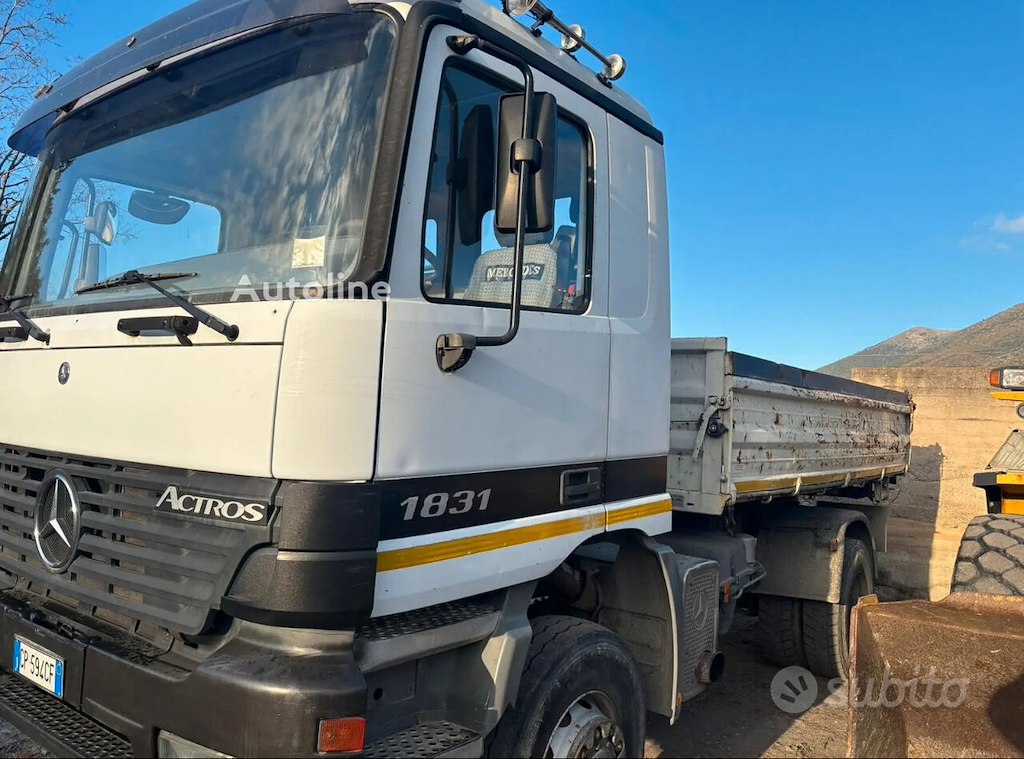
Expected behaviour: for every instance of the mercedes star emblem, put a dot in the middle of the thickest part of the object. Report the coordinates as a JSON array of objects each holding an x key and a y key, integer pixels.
[{"x": 58, "y": 522}]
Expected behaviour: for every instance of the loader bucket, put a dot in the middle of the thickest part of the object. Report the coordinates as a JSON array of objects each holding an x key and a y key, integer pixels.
[{"x": 937, "y": 679}]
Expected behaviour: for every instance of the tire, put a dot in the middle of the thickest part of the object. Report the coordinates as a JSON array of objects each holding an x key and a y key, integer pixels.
[
  {"x": 991, "y": 557},
  {"x": 780, "y": 630},
  {"x": 826, "y": 627},
  {"x": 575, "y": 670}
]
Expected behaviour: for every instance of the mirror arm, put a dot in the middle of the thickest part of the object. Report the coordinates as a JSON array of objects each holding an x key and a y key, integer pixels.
[
  {"x": 72, "y": 255},
  {"x": 454, "y": 350}
]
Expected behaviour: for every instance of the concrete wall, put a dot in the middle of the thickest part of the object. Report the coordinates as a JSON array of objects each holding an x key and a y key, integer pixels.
[{"x": 958, "y": 428}]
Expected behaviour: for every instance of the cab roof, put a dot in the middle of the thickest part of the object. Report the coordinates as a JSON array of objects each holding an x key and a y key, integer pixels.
[{"x": 209, "y": 21}]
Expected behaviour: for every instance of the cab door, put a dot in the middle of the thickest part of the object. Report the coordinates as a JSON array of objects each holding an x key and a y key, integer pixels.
[{"x": 526, "y": 414}]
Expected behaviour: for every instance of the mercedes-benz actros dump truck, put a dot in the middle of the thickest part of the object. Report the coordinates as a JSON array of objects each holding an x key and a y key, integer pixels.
[{"x": 340, "y": 413}]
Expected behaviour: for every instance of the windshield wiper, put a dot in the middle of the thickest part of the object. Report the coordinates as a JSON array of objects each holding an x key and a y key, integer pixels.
[
  {"x": 31, "y": 328},
  {"x": 230, "y": 331},
  {"x": 133, "y": 277}
]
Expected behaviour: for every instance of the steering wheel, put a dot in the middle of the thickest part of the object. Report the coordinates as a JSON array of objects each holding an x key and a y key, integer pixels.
[{"x": 430, "y": 257}]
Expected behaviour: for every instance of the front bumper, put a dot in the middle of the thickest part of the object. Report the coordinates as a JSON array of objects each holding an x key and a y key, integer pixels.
[{"x": 262, "y": 693}]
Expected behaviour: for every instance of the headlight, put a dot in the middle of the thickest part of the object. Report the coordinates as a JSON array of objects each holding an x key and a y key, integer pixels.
[
  {"x": 170, "y": 745},
  {"x": 1008, "y": 379}
]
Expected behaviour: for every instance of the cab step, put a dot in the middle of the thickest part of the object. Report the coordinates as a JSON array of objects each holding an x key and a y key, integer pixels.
[
  {"x": 390, "y": 641},
  {"x": 68, "y": 732},
  {"x": 430, "y": 739}
]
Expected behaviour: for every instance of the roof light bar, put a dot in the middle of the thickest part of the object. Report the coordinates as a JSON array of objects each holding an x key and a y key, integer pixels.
[{"x": 574, "y": 38}]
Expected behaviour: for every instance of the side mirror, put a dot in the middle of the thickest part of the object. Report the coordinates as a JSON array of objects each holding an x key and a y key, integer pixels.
[
  {"x": 525, "y": 199},
  {"x": 540, "y": 187},
  {"x": 103, "y": 222}
]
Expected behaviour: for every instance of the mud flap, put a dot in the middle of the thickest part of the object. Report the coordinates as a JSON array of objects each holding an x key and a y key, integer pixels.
[{"x": 937, "y": 679}]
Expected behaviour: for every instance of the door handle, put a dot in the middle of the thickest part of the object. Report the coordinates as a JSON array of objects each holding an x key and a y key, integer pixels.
[{"x": 581, "y": 486}]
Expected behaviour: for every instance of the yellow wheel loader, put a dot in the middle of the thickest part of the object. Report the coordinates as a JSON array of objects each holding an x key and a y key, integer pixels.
[{"x": 947, "y": 678}]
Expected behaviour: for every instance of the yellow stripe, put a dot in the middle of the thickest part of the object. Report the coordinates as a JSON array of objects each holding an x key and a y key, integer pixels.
[
  {"x": 1010, "y": 479},
  {"x": 789, "y": 483},
  {"x": 639, "y": 512},
  {"x": 405, "y": 558},
  {"x": 1008, "y": 396},
  {"x": 495, "y": 541}
]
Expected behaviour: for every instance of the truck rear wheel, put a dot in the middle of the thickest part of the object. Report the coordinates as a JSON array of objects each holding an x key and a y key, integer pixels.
[
  {"x": 826, "y": 627},
  {"x": 991, "y": 558},
  {"x": 580, "y": 696},
  {"x": 779, "y": 622}
]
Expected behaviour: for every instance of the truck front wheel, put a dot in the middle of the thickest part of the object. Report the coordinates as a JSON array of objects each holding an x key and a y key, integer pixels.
[{"x": 580, "y": 696}]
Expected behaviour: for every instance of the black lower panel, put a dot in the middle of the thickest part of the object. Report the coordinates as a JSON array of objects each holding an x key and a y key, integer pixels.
[
  {"x": 263, "y": 693},
  {"x": 438, "y": 504}
]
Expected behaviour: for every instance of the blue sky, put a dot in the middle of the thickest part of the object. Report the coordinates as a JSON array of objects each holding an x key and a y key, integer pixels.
[{"x": 840, "y": 170}]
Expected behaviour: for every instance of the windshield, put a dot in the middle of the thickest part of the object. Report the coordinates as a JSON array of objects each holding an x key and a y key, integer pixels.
[{"x": 250, "y": 166}]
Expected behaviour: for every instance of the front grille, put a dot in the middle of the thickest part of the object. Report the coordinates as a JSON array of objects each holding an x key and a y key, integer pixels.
[{"x": 136, "y": 568}]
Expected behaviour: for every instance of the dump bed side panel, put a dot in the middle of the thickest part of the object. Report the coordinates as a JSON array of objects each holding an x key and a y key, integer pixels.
[
  {"x": 776, "y": 431},
  {"x": 788, "y": 439},
  {"x": 698, "y": 383}
]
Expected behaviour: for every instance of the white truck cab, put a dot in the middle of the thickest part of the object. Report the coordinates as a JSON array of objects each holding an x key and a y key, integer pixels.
[{"x": 341, "y": 413}]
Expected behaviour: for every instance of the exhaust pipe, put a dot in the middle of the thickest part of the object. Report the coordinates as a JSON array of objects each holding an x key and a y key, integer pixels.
[{"x": 711, "y": 667}]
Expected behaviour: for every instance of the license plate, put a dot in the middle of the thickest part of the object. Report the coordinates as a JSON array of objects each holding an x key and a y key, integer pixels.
[{"x": 39, "y": 666}]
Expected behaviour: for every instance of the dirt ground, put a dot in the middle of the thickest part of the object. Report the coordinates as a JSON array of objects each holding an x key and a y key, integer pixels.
[
  {"x": 736, "y": 718},
  {"x": 14, "y": 744}
]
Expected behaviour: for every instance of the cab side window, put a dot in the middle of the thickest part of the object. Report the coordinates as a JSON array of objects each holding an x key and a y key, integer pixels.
[{"x": 465, "y": 260}]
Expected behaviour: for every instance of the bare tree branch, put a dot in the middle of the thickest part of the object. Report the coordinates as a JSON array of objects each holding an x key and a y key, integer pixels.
[{"x": 27, "y": 27}]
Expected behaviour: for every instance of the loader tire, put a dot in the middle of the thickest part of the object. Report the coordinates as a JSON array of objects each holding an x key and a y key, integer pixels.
[
  {"x": 991, "y": 558},
  {"x": 826, "y": 627},
  {"x": 580, "y": 695},
  {"x": 779, "y": 622}
]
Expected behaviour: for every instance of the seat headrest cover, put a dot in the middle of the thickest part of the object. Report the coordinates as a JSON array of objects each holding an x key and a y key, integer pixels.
[{"x": 493, "y": 277}]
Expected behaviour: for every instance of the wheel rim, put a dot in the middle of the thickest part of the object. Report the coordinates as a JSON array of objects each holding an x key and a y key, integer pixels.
[{"x": 588, "y": 729}]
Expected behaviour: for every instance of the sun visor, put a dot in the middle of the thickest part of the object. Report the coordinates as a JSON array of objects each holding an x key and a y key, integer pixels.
[{"x": 199, "y": 24}]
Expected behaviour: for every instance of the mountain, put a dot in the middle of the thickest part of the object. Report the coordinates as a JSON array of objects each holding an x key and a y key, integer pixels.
[
  {"x": 996, "y": 341},
  {"x": 891, "y": 352}
]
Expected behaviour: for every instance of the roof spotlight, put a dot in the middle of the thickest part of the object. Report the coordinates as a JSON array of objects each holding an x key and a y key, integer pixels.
[
  {"x": 519, "y": 7},
  {"x": 574, "y": 43},
  {"x": 574, "y": 38}
]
